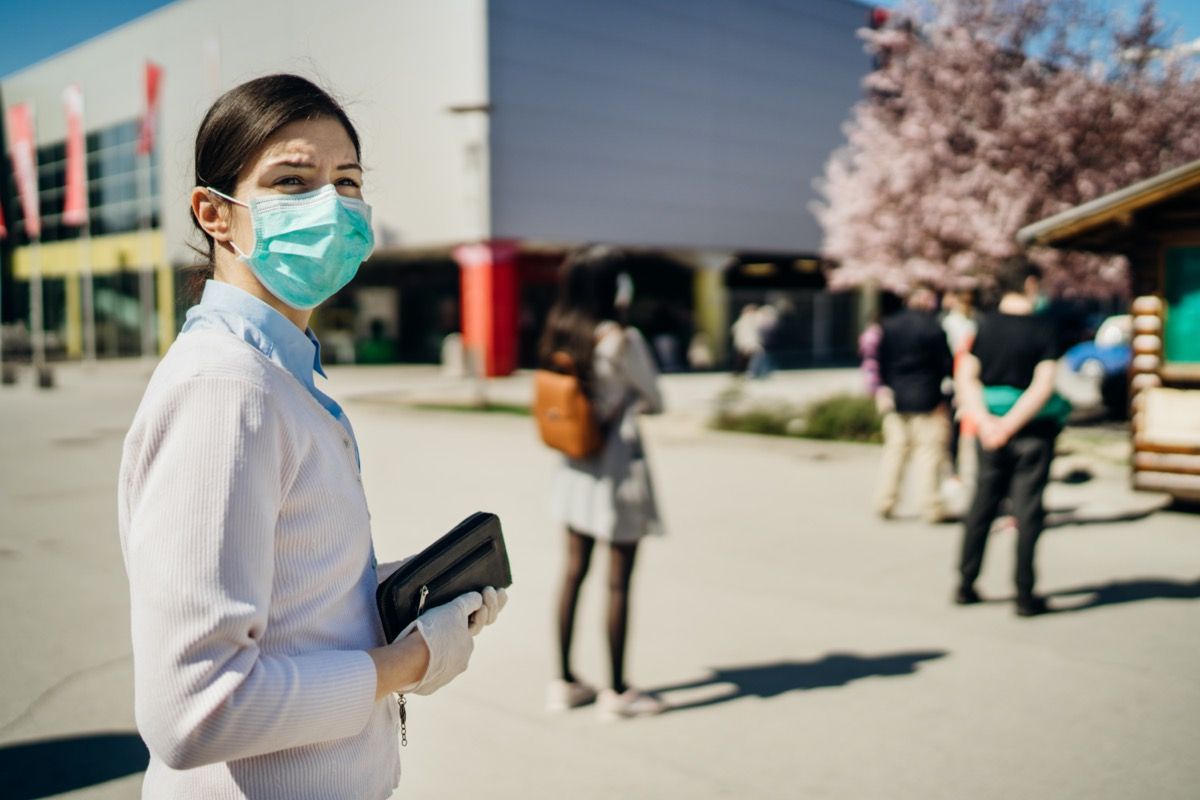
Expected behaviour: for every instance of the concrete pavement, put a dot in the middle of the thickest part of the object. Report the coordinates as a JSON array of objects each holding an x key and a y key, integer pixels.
[{"x": 812, "y": 648}]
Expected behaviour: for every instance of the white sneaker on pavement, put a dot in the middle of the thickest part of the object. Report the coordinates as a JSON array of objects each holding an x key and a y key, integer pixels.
[
  {"x": 563, "y": 695},
  {"x": 630, "y": 703}
]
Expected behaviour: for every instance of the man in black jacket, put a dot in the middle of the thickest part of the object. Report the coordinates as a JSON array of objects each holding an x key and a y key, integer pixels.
[{"x": 914, "y": 360}]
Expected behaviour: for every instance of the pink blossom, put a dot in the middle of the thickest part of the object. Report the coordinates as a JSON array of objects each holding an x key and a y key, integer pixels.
[{"x": 985, "y": 117}]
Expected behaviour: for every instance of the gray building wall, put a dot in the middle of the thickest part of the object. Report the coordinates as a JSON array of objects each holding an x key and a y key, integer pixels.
[{"x": 661, "y": 123}]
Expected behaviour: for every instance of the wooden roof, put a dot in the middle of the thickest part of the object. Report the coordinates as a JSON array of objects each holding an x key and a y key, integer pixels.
[{"x": 1107, "y": 223}]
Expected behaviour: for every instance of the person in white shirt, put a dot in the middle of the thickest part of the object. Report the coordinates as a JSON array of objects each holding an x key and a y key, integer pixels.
[
  {"x": 260, "y": 665},
  {"x": 960, "y": 324}
]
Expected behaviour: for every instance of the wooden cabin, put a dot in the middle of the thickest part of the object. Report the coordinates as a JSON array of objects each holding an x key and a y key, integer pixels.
[{"x": 1156, "y": 225}]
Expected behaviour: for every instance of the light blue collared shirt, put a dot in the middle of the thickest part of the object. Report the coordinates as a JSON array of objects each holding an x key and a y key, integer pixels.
[{"x": 227, "y": 308}]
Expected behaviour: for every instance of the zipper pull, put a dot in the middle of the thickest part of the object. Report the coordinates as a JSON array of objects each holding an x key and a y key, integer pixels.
[
  {"x": 421, "y": 602},
  {"x": 402, "y": 702}
]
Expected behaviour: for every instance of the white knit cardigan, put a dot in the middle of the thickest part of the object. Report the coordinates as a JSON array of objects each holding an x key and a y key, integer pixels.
[{"x": 247, "y": 543}]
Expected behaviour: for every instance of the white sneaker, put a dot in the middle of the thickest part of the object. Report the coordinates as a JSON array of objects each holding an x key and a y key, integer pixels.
[
  {"x": 563, "y": 695},
  {"x": 630, "y": 703}
]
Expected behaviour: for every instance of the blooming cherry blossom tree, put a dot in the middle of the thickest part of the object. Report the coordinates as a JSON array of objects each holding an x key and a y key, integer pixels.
[{"x": 986, "y": 115}]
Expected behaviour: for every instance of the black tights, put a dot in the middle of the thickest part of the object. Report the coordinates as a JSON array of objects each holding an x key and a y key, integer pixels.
[{"x": 620, "y": 570}]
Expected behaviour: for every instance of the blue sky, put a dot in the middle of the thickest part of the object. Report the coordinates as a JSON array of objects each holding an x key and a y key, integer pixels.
[{"x": 37, "y": 29}]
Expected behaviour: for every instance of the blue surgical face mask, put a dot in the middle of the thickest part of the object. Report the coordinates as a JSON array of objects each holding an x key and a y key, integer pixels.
[{"x": 306, "y": 246}]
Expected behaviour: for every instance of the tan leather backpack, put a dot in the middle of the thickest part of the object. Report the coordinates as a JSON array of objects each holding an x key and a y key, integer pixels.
[{"x": 563, "y": 411}]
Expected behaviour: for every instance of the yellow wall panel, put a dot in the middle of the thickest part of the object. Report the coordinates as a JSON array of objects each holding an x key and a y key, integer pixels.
[{"x": 110, "y": 254}]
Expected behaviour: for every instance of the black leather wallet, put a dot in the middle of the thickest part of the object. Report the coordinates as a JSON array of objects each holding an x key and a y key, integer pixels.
[{"x": 469, "y": 558}]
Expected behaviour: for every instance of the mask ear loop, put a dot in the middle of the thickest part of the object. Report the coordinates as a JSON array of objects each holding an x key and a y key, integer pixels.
[
  {"x": 235, "y": 201},
  {"x": 224, "y": 196}
]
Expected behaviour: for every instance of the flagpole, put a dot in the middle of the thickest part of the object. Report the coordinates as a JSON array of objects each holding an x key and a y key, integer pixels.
[
  {"x": 89, "y": 300},
  {"x": 23, "y": 143},
  {"x": 41, "y": 372},
  {"x": 6, "y": 377},
  {"x": 146, "y": 278},
  {"x": 38, "y": 336},
  {"x": 77, "y": 212}
]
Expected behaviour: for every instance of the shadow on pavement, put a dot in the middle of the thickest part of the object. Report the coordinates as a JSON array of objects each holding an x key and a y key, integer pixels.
[
  {"x": 1130, "y": 591},
  {"x": 51, "y": 766},
  {"x": 1061, "y": 519},
  {"x": 772, "y": 680}
]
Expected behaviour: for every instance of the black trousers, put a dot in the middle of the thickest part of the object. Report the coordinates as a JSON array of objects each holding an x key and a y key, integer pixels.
[{"x": 1018, "y": 470}]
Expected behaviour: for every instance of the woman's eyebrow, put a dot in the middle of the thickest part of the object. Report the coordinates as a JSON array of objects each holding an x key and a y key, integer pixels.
[
  {"x": 302, "y": 163},
  {"x": 292, "y": 162}
]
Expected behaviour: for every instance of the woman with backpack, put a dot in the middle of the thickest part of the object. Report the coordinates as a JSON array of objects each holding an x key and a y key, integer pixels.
[{"x": 606, "y": 496}]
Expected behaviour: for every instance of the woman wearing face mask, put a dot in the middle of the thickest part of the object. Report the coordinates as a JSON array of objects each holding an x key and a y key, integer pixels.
[
  {"x": 608, "y": 497},
  {"x": 260, "y": 664}
]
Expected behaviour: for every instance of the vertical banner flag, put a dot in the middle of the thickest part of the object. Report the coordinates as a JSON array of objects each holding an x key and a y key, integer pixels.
[
  {"x": 75, "y": 211},
  {"x": 24, "y": 160},
  {"x": 153, "y": 79}
]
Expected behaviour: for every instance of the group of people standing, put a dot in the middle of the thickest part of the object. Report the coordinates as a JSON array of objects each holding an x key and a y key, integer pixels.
[
  {"x": 989, "y": 379},
  {"x": 261, "y": 669}
]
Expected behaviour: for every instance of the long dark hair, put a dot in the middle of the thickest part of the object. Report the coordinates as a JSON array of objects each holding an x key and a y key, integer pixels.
[
  {"x": 238, "y": 126},
  {"x": 587, "y": 293}
]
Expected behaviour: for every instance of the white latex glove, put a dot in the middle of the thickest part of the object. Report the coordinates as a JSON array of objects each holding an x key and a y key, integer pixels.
[
  {"x": 447, "y": 634},
  {"x": 494, "y": 601}
]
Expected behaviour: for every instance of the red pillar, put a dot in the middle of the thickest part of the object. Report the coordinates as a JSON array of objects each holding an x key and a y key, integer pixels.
[{"x": 488, "y": 272}]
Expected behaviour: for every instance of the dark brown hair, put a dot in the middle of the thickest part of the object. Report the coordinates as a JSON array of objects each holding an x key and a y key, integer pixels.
[
  {"x": 238, "y": 126},
  {"x": 1012, "y": 274},
  {"x": 587, "y": 292}
]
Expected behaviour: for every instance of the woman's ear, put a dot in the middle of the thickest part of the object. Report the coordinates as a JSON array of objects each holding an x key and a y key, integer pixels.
[{"x": 212, "y": 216}]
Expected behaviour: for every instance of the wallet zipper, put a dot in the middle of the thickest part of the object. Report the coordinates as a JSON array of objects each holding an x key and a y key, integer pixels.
[
  {"x": 463, "y": 563},
  {"x": 401, "y": 700},
  {"x": 423, "y": 598}
]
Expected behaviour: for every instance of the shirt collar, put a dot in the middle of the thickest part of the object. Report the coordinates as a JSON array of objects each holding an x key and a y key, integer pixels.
[{"x": 273, "y": 334}]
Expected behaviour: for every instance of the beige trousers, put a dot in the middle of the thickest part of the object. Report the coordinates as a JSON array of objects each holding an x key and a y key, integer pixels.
[{"x": 924, "y": 438}]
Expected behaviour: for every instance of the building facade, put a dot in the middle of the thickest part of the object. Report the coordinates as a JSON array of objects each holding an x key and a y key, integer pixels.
[{"x": 497, "y": 136}]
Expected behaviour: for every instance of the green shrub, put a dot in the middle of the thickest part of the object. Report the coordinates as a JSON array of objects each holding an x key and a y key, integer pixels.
[
  {"x": 770, "y": 421},
  {"x": 844, "y": 417}
]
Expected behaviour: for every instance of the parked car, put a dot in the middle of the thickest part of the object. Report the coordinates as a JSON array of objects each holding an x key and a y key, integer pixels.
[
  {"x": 1108, "y": 353},
  {"x": 1104, "y": 361}
]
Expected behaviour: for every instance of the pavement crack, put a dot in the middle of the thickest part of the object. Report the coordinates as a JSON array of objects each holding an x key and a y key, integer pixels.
[{"x": 58, "y": 687}]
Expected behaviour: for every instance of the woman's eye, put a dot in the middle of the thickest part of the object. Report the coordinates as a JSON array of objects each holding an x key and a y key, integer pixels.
[
  {"x": 289, "y": 180},
  {"x": 348, "y": 182}
]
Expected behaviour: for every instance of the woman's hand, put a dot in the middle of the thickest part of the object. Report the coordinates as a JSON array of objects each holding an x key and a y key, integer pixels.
[
  {"x": 401, "y": 664},
  {"x": 446, "y": 630},
  {"x": 494, "y": 601},
  {"x": 436, "y": 648}
]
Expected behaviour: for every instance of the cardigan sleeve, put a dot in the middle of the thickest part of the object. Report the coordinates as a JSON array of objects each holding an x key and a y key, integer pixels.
[{"x": 202, "y": 482}]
